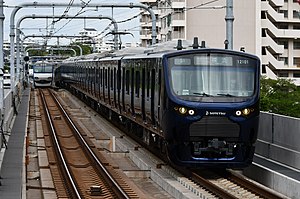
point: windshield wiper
(203, 94)
(226, 95)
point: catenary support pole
(36, 5)
(1, 72)
(229, 18)
(18, 31)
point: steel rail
(107, 174)
(212, 187)
(263, 192)
(62, 158)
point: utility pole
(229, 18)
(1, 72)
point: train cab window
(213, 75)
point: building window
(282, 74)
(178, 14)
(263, 69)
(285, 13)
(296, 45)
(284, 59)
(284, 43)
(296, 74)
(295, 14)
(296, 27)
(263, 15)
(297, 61)
(283, 26)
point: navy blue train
(198, 106)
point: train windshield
(211, 76)
(42, 69)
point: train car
(43, 73)
(198, 106)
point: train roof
(157, 50)
(154, 51)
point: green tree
(86, 49)
(280, 96)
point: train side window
(132, 81)
(148, 83)
(96, 79)
(105, 78)
(109, 78)
(152, 95)
(159, 77)
(115, 79)
(137, 83)
(118, 79)
(159, 85)
(127, 81)
(101, 77)
(152, 83)
(112, 78)
(123, 80)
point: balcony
(178, 4)
(279, 33)
(278, 3)
(147, 1)
(272, 45)
(177, 23)
(278, 17)
(272, 62)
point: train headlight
(191, 112)
(246, 111)
(238, 113)
(182, 110)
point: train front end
(210, 111)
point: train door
(149, 83)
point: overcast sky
(72, 27)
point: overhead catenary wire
(131, 18)
(181, 11)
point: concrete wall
(278, 139)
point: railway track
(215, 184)
(227, 184)
(78, 169)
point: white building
(270, 29)
(88, 35)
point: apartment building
(270, 29)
